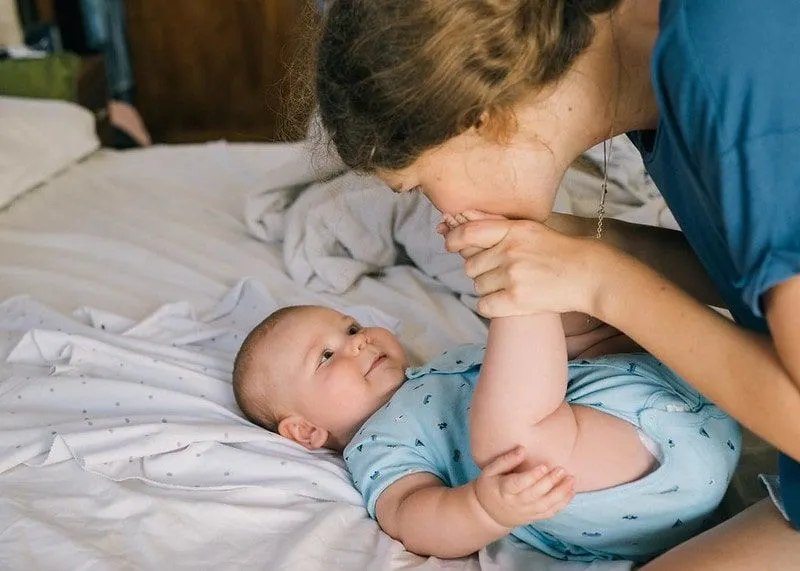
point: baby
(451, 456)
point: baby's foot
(450, 221)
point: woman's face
(517, 178)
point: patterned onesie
(425, 428)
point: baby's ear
(303, 432)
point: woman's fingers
(490, 281)
(481, 262)
(499, 304)
(478, 234)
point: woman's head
(396, 78)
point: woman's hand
(523, 267)
(449, 222)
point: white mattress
(127, 233)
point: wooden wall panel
(45, 11)
(209, 69)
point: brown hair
(251, 377)
(395, 78)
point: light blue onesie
(425, 428)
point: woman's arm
(739, 370)
(664, 250)
(783, 315)
(529, 268)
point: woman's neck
(634, 31)
(608, 90)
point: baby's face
(337, 373)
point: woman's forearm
(737, 369)
(664, 250)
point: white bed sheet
(127, 233)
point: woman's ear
(483, 120)
(303, 432)
(494, 125)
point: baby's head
(314, 375)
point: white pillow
(38, 139)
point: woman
(483, 104)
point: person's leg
(789, 471)
(758, 538)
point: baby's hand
(517, 498)
(449, 222)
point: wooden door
(211, 69)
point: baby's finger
(549, 491)
(442, 228)
(547, 480)
(471, 215)
(522, 481)
(555, 501)
(505, 462)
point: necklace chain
(608, 145)
(601, 211)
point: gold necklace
(601, 211)
(608, 144)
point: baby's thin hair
(248, 373)
(395, 78)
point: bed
(127, 280)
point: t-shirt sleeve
(376, 461)
(762, 222)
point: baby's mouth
(378, 360)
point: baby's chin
(386, 397)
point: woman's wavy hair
(395, 78)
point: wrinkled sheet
(126, 273)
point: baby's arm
(523, 379)
(520, 400)
(432, 519)
(521, 391)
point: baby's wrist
(484, 514)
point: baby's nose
(359, 341)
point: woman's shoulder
(726, 72)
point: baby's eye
(353, 329)
(326, 356)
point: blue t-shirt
(726, 152)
